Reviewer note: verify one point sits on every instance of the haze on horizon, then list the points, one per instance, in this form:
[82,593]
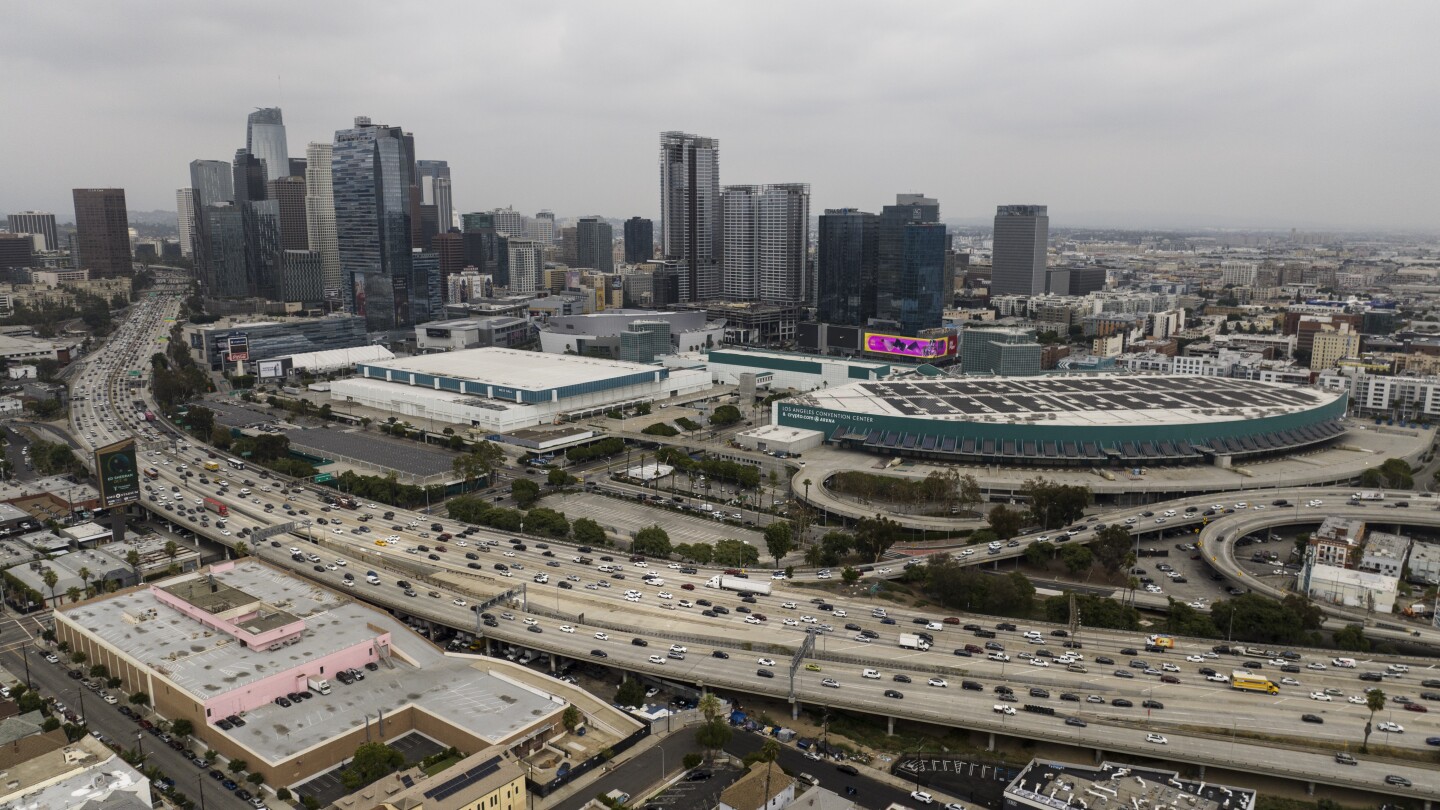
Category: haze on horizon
[1114,114]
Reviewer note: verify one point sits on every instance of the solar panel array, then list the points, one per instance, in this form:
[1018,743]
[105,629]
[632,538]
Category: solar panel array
[464,780]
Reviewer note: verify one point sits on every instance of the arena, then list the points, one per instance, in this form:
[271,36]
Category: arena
[1090,420]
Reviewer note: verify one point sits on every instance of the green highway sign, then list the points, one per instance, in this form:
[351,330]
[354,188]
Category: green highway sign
[323,478]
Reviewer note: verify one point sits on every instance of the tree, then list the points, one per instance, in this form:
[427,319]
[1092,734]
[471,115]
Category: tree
[372,760]
[1111,547]
[874,536]
[525,492]
[587,532]
[558,479]
[736,553]
[85,576]
[725,415]
[79,657]
[1375,702]
[1077,558]
[849,576]
[630,693]
[652,541]
[1352,637]
[571,718]
[172,550]
[779,540]
[182,727]
[73,594]
[1054,504]
[51,579]
[968,493]
[140,699]
[1004,521]
[714,733]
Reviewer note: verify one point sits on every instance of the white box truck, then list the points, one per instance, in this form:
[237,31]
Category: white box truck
[319,685]
[1368,495]
[910,641]
[732,583]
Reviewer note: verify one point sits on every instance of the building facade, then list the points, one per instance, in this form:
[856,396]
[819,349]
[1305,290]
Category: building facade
[289,195]
[102,232]
[924,287]
[595,244]
[639,240]
[908,209]
[766,242]
[1022,239]
[690,215]
[371,179]
[265,139]
[847,256]
[320,218]
[185,220]
[37,222]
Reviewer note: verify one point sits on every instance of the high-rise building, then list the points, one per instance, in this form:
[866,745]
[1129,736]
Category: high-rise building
[890,257]
[570,246]
[213,181]
[225,273]
[848,252]
[17,252]
[639,240]
[509,222]
[766,237]
[102,230]
[320,218]
[263,254]
[450,248]
[299,166]
[1022,237]
[444,205]
[690,216]
[289,193]
[40,222]
[595,244]
[526,261]
[477,221]
[250,180]
[371,177]
[542,228]
[925,287]
[430,304]
[1006,352]
[304,279]
[185,220]
[265,139]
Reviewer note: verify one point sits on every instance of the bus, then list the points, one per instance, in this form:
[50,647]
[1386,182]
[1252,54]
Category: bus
[1247,681]
[236,463]
[152,473]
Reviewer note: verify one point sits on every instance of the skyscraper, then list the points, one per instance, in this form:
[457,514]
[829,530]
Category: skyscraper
[429,174]
[890,234]
[526,261]
[304,277]
[213,181]
[690,226]
[225,272]
[542,228]
[264,256]
[320,218]
[371,174]
[299,166]
[289,193]
[766,238]
[848,251]
[249,172]
[40,222]
[265,139]
[925,287]
[509,222]
[185,215]
[1022,237]
[102,230]
[444,206]
[639,240]
[595,244]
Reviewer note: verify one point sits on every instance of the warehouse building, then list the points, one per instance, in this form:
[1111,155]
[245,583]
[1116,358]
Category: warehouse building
[602,333]
[500,390]
[1100,420]
[794,371]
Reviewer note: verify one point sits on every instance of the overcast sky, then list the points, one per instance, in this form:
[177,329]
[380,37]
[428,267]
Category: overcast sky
[1144,114]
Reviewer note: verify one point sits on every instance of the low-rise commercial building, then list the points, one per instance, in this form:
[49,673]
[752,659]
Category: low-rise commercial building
[1348,587]
[211,345]
[473,333]
[600,333]
[790,370]
[1384,553]
[1049,784]
[778,439]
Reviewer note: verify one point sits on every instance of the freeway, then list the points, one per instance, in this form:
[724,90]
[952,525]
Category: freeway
[671,609]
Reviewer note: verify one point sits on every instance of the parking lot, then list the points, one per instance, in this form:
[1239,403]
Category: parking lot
[327,787]
[236,414]
[625,518]
[368,448]
[684,794]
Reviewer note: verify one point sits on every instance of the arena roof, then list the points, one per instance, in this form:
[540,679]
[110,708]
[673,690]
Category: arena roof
[1110,400]
[512,368]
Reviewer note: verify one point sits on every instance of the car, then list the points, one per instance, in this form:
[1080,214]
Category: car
[565,628]
[940,682]
[1320,696]
[1158,739]
[830,682]
[1397,780]
[1345,759]
[1312,718]
[766,662]
[1358,700]
[602,636]
[812,667]
[698,775]
[639,642]
[657,659]
[1416,707]
[1432,740]
[1124,673]
[901,677]
[764,673]
[1390,727]
[922,797]
[1075,721]
[1122,703]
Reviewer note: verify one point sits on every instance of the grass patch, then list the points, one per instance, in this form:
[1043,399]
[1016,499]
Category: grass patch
[437,767]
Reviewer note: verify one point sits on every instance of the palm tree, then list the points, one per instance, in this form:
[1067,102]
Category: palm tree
[85,575]
[51,579]
[1375,702]
[172,550]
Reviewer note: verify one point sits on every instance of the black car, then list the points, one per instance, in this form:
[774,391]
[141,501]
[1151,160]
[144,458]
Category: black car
[1105,659]
[1152,704]
[972,685]
[283,702]
[1037,692]
[596,653]
[1122,703]
[848,769]
[1129,651]
[719,654]
[1312,718]
[1005,626]
[891,693]
[1070,696]
[1399,781]
[639,642]
[764,673]
[1371,676]
[698,776]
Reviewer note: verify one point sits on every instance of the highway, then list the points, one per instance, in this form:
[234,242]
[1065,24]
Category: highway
[669,611]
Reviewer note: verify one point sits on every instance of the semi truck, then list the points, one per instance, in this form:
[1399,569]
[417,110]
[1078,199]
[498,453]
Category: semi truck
[911,641]
[1247,681]
[217,507]
[1368,495]
[731,583]
[318,685]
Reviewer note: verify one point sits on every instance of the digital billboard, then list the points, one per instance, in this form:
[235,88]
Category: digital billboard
[117,472]
[922,348]
[239,346]
[272,369]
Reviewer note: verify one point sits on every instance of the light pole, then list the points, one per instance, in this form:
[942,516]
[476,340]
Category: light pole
[200,781]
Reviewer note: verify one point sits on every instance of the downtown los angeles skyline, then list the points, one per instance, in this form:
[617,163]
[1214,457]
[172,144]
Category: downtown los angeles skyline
[1306,115]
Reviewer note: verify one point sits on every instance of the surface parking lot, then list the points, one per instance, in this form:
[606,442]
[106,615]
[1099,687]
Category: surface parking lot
[627,517]
[405,457]
[684,795]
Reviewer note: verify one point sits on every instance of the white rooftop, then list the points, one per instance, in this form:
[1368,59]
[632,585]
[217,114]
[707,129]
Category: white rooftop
[517,369]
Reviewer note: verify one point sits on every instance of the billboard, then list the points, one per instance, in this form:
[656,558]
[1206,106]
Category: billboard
[118,473]
[238,346]
[273,369]
[920,348]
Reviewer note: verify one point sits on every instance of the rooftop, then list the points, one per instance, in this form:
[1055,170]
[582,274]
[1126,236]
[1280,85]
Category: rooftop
[517,369]
[1056,784]
[1081,401]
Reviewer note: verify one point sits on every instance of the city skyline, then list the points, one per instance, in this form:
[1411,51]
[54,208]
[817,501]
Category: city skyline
[1114,114]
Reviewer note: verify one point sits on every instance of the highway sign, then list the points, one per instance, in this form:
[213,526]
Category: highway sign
[324,478]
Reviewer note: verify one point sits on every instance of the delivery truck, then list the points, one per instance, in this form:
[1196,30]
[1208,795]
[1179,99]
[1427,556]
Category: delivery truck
[910,641]
[731,583]
[319,686]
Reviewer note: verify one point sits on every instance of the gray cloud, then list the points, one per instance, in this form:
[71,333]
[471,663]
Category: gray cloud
[1273,114]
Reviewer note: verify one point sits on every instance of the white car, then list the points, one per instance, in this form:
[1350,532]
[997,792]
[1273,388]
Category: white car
[665,595]
[458,602]
[998,656]
[1170,667]
[808,619]
[788,605]
[1218,678]
[751,620]
[873,674]
[565,628]
[531,620]
[1039,662]
[686,603]
[792,622]
[940,682]
[766,662]
[1195,659]
[676,648]
[922,797]
[603,636]
[1158,739]
[1358,700]
[675,566]
[1392,728]
[1315,665]
[1320,696]
[657,659]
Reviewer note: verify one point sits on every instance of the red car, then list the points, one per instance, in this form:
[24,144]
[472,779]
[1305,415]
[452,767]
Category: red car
[687,587]
[1415,707]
